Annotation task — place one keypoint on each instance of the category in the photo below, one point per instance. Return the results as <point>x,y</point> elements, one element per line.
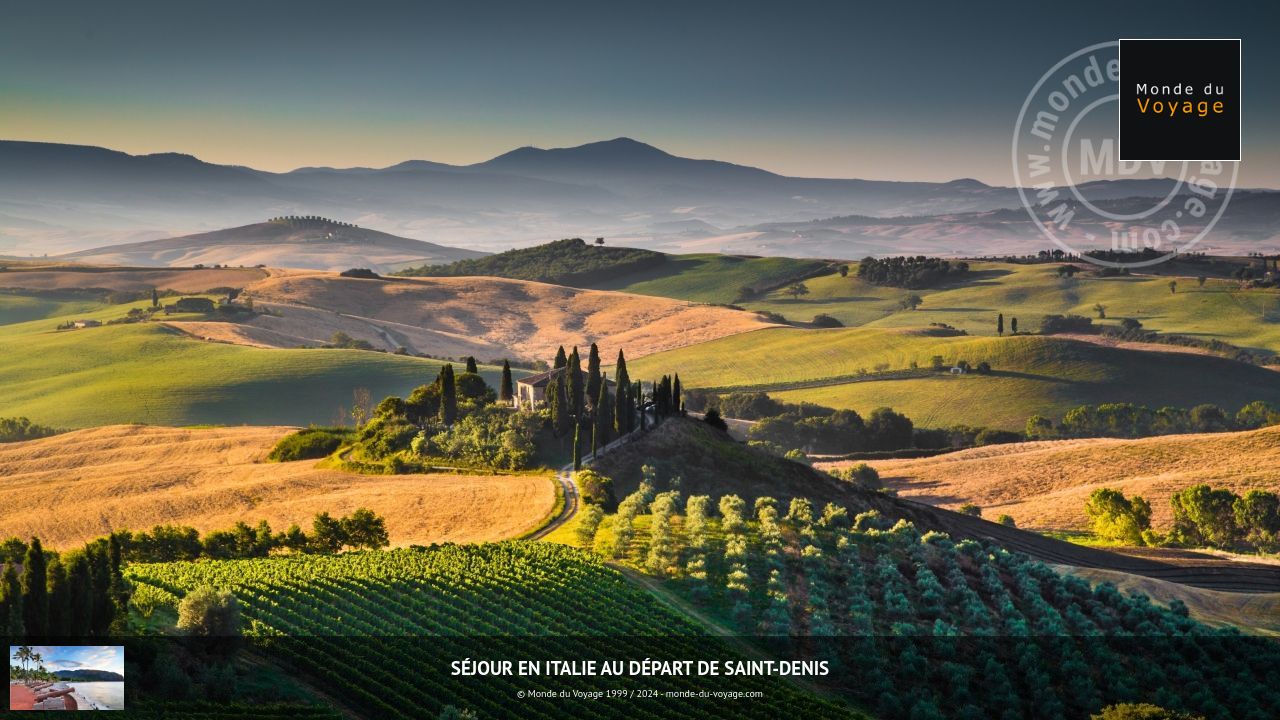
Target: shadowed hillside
<point>312,243</point>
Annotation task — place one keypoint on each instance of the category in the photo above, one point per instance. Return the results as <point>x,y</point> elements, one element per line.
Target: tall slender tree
<point>604,418</point>
<point>505,390</point>
<point>558,405</point>
<point>59,598</point>
<point>677,398</point>
<point>1000,324</point>
<point>644,417</point>
<point>80,584</point>
<point>623,409</point>
<point>35,590</point>
<point>103,604</point>
<point>576,385</point>
<point>593,373</point>
<point>448,395</point>
<point>471,365</point>
<point>11,601</point>
<point>561,359</point>
<point>577,446</point>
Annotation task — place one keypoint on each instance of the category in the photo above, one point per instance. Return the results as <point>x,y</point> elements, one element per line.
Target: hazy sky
<point>877,90</point>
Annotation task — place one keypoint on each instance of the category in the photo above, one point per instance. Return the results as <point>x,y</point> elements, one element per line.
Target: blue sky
<point>838,89</point>
<point>78,657</point>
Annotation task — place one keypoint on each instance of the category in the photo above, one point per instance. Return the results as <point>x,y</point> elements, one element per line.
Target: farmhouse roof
<point>542,378</point>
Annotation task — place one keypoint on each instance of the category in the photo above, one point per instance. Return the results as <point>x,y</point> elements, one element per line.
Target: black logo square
<point>1180,100</point>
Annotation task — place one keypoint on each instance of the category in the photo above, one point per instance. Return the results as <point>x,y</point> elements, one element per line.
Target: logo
<point>1082,196</point>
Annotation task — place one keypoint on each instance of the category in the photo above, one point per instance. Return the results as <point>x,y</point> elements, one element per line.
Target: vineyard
<point>918,626</point>
<point>379,630</point>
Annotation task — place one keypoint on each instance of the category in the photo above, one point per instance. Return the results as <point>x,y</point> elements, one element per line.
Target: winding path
<point>565,478</point>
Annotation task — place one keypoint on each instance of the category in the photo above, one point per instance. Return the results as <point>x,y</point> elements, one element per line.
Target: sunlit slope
<point>154,374</point>
<point>1249,318</point>
<point>131,476</point>
<point>1046,484</point>
<point>711,278</point>
<point>1031,374</point>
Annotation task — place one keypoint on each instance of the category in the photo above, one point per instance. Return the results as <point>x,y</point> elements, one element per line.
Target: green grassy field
<point>23,308</point>
<point>1248,318</point>
<point>150,373</point>
<point>1031,374</point>
<point>710,278</point>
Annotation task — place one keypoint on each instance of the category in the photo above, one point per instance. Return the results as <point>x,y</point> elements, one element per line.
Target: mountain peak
<point>621,148</point>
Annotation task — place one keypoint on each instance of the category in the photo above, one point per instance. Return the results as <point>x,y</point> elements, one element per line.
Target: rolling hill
<point>311,244</point>
<point>1044,485</point>
<point>1031,374</point>
<point>152,373</point>
<point>704,277</point>
<point>1221,308</point>
<point>709,462</point>
<point>80,485</point>
<point>487,317</point>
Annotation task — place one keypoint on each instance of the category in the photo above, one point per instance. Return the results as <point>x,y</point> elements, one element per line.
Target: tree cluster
<point>17,429</point>
<point>914,272</point>
<point>1126,420</point>
<point>362,529</point>
<point>562,262</point>
<point>1203,516</point>
<point>80,593</point>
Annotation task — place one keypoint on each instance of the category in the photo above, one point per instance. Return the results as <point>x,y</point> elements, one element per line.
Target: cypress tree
<point>576,386</point>
<point>103,605</point>
<point>35,590</point>
<point>1013,326</point>
<point>11,600</point>
<point>603,419</point>
<point>622,406</point>
<point>558,404</point>
<point>593,373</point>
<point>577,446</point>
<point>80,589</point>
<point>644,417</point>
<point>505,390</point>
<point>471,365</point>
<point>448,395</point>
<point>677,400</point>
<point>561,361</point>
<point>155,298</point>
<point>59,598</point>
<point>1000,324</point>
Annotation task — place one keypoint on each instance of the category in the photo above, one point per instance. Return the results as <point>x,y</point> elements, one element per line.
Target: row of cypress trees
<point>79,594</point>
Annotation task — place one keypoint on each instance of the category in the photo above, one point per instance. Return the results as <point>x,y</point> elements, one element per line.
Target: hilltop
<point>312,243</point>
<point>563,262</point>
<point>1045,484</point>
<point>134,477</point>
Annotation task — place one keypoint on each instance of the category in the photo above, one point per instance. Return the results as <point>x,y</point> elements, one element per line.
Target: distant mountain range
<point>89,675</point>
<point>316,244</point>
<point>65,198</point>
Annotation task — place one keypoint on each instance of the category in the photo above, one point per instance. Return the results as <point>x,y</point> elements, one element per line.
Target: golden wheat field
<point>481,316</point>
<point>73,487</point>
<point>1044,485</point>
